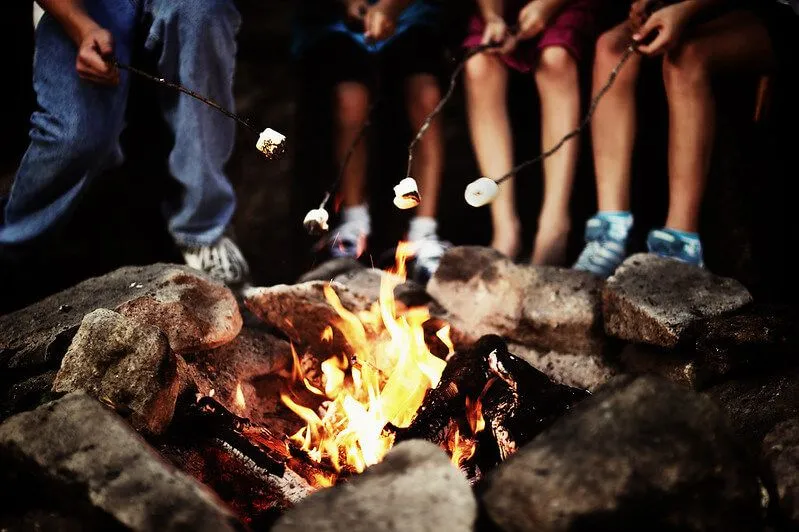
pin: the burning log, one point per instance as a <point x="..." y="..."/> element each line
<point x="517" y="401"/>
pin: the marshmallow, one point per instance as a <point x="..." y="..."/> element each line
<point x="406" y="194"/>
<point x="481" y="192"/>
<point x="271" y="143"/>
<point x="316" y="222"/>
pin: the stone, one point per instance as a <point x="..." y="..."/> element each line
<point x="303" y="313"/>
<point x="40" y="334"/>
<point x="676" y="366"/>
<point x="639" y="455"/>
<point x="366" y="283"/>
<point x="763" y="339"/>
<point x="329" y="270"/>
<point x="654" y="300"/>
<point x="77" y="450"/>
<point x="195" y="312"/>
<point x="754" y="405"/>
<point x="415" y="487"/>
<point x="587" y="372"/>
<point x="126" y="363"/>
<point x="781" y="452"/>
<point x="252" y="357"/>
<point x="543" y="307"/>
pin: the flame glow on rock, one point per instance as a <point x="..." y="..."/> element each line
<point x="383" y="383"/>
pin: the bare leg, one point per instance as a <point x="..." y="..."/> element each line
<point x="613" y="125"/>
<point x="734" y="42"/>
<point x="557" y="79"/>
<point x="423" y="94"/>
<point x="486" y="93"/>
<point x="352" y="107"/>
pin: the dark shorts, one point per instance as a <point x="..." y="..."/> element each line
<point x="574" y="28"/>
<point x="338" y="58"/>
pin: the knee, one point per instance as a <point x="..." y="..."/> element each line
<point x="352" y="104"/>
<point x="479" y="69"/>
<point x="75" y="138"/>
<point x="556" y="66"/>
<point x="424" y="96"/>
<point x="685" y="66"/>
<point x="202" y="16"/>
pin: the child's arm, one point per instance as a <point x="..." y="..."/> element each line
<point x="668" y="23"/>
<point x="535" y="16"/>
<point x="93" y="41"/>
<point x="496" y="29"/>
<point x="381" y="18"/>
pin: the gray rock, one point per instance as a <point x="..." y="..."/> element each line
<point x="41" y="333"/>
<point x="543" y="307"/>
<point x="196" y="313"/>
<point x="366" y="283"/>
<point x="302" y="312"/>
<point x="416" y="487"/>
<point x="756" y="404"/>
<point x="762" y="339"/>
<point x="587" y="372"/>
<point x="781" y="451"/>
<point x="126" y="363"/>
<point x="639" y="455"/>
<point x="83" y="452"/>
<point x="653" y="300"/>
<point x="641" y="359"/>
<point x="327" y="271"/>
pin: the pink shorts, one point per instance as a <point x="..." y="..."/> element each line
<point x="574" y="28"/>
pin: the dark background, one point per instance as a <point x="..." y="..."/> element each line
<point x="749" y="226"/>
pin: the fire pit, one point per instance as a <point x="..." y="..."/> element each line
<point x="353" y="400"/>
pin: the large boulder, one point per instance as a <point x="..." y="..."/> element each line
<point x="642" y="454"/>
<point x="196" y="313"/>
<point x="125" y="363"/>
<point x="415" y="487"/>
<point x="654" y="300"/>
<point x="543" y="307"/>
<point x="76" y="451"/>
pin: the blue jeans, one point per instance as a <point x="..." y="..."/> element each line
<point x="75" y="131"/>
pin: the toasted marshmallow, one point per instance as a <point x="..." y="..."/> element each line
<point x="271" y="143"/>
<point x="481" y="192"/>
<point x="406" y="194"/>
<point x="316" y="222"/>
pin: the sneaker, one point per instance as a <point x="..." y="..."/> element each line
<point x="222" y="261"/>
<point x="684" y="247"/>
<point x="427" y="257"/>
<point x="347" y="240"/>
<point x="606" y="246"/>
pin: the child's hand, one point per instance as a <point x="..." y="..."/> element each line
<point x="356" y="9"/>
<point x="533" y="19"/>
<point x="639" y="12"/>
<point x="667" y="25"/>
<point x="380" y="22"/>
<point x="496" y="32"/>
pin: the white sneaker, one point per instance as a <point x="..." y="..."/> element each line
<point x="222" y="261"/>
<point x="427" y="256"/>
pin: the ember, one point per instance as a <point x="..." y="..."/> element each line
<point x="382" y="385"/>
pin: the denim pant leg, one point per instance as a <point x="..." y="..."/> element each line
<point x="195" y="44"/>
<point x="75" y="130"/>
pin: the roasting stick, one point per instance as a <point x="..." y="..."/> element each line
<point x="270" y="142"/>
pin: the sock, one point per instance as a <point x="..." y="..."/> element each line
<point x="620" y="223"/>
<point x="421" y="228"/>
<point x="357" y="216"/>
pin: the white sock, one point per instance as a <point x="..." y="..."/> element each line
<point x="422" y="228"/>
<point x="357" y="216"/>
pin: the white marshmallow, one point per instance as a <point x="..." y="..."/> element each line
<point x="406" y="194"/>
<point x="270" y="143"/>
<point x="481" y="192"/>
<point x="316" y="221"/>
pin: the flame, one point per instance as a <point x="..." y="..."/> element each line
<point x="238" y="398"/>
<point x="384" y="381"/>
<point x="474" y="415"/>
<point x="462" y="449"/>
<point x="327" y="334"/>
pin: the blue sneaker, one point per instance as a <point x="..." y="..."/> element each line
<point x="606" y="244"/>
<point x="677" y="245"/>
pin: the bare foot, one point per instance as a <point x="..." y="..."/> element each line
<point x="506" y="239"/>
<point x="550" y="247"/>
